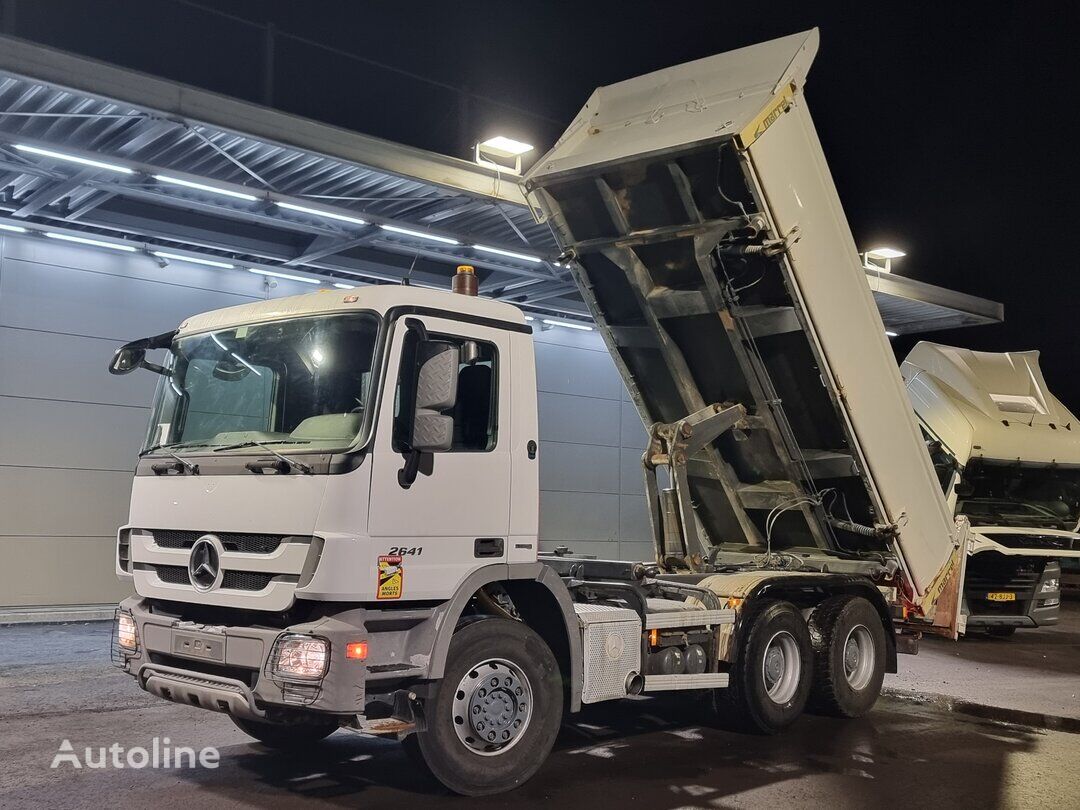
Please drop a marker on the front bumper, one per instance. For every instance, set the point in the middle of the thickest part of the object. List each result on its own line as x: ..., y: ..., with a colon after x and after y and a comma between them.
x: 230, y: 669
x: 1034, y: 617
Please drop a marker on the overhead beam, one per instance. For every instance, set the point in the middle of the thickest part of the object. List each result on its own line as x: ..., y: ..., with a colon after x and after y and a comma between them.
x: 52, y: 193
x: 171, y: 100
x: 323, y: 246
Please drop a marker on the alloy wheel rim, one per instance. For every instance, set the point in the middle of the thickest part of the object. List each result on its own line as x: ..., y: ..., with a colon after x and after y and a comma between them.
x: 781, y: 667
x: 492, y: 707
x: 859, y: 655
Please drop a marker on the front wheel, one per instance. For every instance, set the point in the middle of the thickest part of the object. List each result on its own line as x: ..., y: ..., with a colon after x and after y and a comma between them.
x: 493, y: 718
x: 849, y: 656
x: 770, y: 680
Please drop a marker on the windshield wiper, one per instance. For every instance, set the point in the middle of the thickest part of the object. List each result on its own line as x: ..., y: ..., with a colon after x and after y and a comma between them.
x: 168, y: 447
x: 191, y: 467
x: 265, y: 445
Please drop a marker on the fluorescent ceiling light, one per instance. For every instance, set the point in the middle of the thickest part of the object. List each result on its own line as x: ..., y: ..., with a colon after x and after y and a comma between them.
x: 500, y: 252
x: 82, y: 240
x: 97, y: 164
x: 12, y: 228
x: 890, y: 334
x: 341, y: 286
x: 304, y: 279
x: 420, y: 234
x: 885, y: 253
x: 530, y: 318
x: 506, y: 147
x: 315, y: 212
x: 208, y: 262
x: 176, y: 181
x: 568, y: 325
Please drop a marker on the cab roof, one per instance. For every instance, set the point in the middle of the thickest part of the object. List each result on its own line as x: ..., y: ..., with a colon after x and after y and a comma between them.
x: 377, y: 298
x: 998, y: 404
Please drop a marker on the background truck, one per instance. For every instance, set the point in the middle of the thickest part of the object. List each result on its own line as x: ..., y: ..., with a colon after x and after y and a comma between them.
x: 334, y: 520
x: 1007, y: 454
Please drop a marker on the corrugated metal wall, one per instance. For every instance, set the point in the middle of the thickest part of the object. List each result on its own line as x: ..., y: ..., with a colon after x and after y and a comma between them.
x: 69, y: 432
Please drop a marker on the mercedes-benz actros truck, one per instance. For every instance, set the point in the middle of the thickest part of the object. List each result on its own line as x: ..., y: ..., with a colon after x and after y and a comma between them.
x: 333, y: 521
x: 1007, y: 454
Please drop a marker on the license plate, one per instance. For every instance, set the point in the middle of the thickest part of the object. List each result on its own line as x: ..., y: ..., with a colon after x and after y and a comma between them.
x: 197, y: 645
x: 1000, y: 596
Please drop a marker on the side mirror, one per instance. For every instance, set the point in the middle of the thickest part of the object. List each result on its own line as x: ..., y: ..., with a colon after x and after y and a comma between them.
x: 132, y: 355
x: 437, y: 364
x: 126, y: 360
x: 963, y: 489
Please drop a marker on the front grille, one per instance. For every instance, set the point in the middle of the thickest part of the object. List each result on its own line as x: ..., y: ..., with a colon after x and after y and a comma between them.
x: 245, y: 580
x: 990, y: 572
x: 230, y: 541
x: 172, y: 574
x: 232, y: 580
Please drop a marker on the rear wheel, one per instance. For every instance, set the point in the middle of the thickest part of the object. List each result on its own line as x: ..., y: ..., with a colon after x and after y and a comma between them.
x: 286, y: 735
x: 849, y: 656
x: 493, y: 718
x: 770, y: 680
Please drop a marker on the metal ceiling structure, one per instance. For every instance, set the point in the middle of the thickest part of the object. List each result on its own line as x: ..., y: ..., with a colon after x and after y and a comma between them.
x: 158, y: 166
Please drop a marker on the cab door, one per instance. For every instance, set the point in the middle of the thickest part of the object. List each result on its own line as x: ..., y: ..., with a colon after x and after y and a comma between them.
x: 453, y: 518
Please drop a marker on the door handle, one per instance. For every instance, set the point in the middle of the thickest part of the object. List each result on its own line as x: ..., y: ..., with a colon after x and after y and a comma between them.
x: 488, y: 547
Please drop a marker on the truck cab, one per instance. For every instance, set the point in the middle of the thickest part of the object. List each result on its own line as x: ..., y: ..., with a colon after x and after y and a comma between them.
x: 1007, y: 454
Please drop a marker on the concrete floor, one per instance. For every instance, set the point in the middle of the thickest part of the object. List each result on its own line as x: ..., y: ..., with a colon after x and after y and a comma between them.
x: 55, y: 685
x: 1035, y: 671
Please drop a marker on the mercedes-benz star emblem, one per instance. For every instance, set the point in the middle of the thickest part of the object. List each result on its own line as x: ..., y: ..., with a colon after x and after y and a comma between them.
x: 204, y: 564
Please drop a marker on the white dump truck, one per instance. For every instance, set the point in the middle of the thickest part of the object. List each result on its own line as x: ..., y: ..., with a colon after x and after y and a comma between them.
x: 334, y: 520
x: 1007, y: 454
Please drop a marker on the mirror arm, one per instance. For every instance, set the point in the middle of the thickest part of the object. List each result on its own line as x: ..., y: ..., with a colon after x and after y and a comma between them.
x: 407, y: 474
x: 154, y: 367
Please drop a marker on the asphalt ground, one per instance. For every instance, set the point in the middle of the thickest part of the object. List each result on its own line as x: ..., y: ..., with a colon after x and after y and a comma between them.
x: 56, y: 684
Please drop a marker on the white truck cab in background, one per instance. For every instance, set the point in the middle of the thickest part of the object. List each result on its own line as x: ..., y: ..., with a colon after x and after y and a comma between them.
x: 1007, y: 453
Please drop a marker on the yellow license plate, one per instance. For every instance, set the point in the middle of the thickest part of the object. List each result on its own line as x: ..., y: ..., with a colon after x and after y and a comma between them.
x: 1000, y: 596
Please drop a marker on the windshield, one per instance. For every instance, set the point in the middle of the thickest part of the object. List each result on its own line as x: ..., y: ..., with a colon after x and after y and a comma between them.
x: 1001, y: 512
x: 300, y: 385
x: 1011, y: 495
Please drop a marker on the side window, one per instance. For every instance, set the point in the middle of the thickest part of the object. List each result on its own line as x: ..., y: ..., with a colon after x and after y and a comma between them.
x: 944, y: 463
x: 476, y: 417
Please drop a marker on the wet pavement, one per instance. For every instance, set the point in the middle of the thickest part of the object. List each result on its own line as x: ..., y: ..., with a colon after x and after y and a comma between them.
x: 655, y: 753
x: 1036, y: 671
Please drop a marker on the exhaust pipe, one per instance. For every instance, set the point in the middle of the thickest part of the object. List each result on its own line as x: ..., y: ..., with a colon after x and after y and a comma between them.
x: 465, y: 282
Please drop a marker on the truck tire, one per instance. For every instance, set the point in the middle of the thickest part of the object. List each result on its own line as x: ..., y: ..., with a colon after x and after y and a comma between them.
x: 770, y: 679
x: 286, y: 736
x: 493, y: 718
x: 849, y: 656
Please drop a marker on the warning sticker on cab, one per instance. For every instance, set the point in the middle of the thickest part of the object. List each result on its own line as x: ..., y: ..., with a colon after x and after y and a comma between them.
x: 391, y: 578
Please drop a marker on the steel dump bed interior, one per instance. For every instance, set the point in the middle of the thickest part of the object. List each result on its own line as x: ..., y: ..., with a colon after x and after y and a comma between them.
x: 710, y: 244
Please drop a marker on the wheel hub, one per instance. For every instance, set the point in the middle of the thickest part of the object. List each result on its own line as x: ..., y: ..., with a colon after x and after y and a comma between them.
x: 492, y: 706
x: 851, y: 655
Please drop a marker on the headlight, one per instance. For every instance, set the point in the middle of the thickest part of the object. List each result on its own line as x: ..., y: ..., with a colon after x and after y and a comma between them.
x: 126, y: 634
x: 305, y: 657
x: 1052, y: 584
